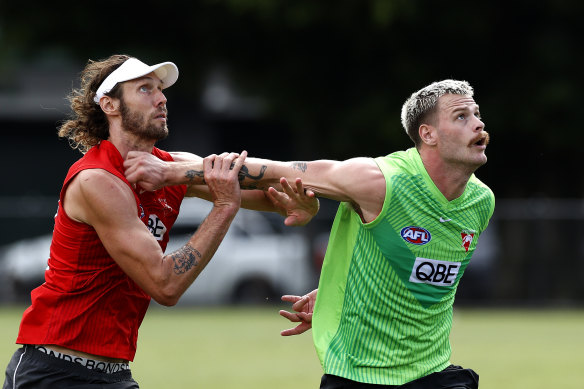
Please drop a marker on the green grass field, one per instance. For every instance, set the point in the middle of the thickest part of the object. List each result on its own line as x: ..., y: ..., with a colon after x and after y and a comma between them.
x: 241, y: 348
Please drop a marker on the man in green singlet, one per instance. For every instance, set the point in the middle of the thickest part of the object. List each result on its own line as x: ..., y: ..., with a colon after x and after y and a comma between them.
x: 405, y: 230
x: 397, y: 250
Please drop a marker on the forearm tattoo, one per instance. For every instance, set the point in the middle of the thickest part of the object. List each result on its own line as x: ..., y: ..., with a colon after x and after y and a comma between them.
x: 244, y: 173
x: 302, y: 166
x: 185, y: 259
x: 192, y: 174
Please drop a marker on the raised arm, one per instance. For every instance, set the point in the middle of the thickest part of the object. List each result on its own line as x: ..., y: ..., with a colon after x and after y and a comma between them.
x: 358, y: 180
x: 297, y: 205
x: 97, y: 198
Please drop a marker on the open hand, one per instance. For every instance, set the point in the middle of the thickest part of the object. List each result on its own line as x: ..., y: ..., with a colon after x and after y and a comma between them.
x: 303, y: 307
x: 299, y: 205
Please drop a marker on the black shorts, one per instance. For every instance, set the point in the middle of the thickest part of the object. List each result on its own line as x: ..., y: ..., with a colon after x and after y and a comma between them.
x: 453, y: 377
x: 31, y: 368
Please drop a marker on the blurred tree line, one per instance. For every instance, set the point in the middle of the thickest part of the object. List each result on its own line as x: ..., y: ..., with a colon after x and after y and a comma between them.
x: 326, y: 79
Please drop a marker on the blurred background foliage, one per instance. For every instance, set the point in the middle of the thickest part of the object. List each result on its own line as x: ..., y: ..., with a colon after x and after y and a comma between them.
x: 326, y: 79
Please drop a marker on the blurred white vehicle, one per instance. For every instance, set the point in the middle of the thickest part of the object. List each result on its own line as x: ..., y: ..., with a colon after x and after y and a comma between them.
x: 256, y: 262
x: 23, y: 266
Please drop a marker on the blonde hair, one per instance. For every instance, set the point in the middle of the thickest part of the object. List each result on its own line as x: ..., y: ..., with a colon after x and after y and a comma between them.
x: 88, y: 125
x: 422, y: 104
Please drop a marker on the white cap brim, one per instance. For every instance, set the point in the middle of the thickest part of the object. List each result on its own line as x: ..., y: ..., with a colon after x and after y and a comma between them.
x: 134, y: 68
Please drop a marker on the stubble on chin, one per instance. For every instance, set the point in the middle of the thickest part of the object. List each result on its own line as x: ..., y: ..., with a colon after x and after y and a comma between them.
x: 137, y: 124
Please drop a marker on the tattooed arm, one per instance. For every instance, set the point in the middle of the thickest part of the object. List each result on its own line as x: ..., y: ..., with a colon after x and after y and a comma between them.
x: 293, y: 202
x: 97, y: 198
x: 358, y: 180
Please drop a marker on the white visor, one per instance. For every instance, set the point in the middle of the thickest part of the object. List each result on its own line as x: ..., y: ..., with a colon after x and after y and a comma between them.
x: 134, y: 68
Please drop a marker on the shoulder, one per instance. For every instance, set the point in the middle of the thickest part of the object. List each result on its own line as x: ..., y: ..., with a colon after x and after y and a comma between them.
x: 405, y: 161
x: 360, y: 170
x: 93, y: 193
x: 400, y: 163
x: 365, y: 185
x: 101, y: 186
x: 98, y: 176
x: 362, y: 164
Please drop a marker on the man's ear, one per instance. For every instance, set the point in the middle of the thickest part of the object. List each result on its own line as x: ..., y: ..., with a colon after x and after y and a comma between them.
x: 428, y: 134
x: 109, y: 105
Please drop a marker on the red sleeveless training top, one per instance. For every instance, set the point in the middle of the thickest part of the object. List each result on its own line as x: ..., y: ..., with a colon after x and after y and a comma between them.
x: 87, y: 302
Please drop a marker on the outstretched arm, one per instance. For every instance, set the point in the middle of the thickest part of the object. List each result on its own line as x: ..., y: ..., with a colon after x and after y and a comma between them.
x: 296, y: 204
x: 357, y: 180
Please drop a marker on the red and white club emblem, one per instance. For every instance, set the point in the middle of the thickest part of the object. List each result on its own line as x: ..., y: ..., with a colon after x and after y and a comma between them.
x: 467, y: 238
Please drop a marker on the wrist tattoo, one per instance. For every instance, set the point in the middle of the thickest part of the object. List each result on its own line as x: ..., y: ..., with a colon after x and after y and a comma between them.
x: 302, y: 166
x: 185, y: 259
x: 192, y: 174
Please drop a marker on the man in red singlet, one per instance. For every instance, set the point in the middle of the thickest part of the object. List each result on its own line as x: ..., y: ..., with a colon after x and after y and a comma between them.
x: 107, y: 255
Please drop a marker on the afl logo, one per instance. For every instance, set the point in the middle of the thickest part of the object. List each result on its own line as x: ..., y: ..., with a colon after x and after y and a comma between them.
x: 416, y: 235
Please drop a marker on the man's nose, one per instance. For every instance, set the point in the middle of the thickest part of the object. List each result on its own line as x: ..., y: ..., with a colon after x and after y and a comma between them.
x: 160, y: 99
x: 480, y: 125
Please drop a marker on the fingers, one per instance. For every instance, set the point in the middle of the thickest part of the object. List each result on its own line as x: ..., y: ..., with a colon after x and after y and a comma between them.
x: 240, y: 159
x: 300, y: 188
x: 276, y: 197
x: 299, y: 305
x: 305, y: 317
x: 290, y: 316
x: 299, y: 316
x: 221, y: 174
x: 225, y: 161
x: 144, y: 169
x: 299, y: 329
x: 291, y: 298
x: 288, y: 193
x: 286, y: 187
x: 298, y: 302
x: 135, y: 154
x: 208, y: 163
x: 132, y: 163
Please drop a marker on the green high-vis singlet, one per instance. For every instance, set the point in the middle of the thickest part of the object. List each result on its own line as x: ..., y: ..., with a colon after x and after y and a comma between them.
x: 383, y: 313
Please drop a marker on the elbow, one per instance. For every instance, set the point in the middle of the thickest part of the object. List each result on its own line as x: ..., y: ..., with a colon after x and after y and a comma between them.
x: 165, y: 287
x: 167, y: 296
x: 166, y: 300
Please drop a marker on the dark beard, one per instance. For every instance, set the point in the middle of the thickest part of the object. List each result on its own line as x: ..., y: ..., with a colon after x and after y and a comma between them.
x: 136, y: 123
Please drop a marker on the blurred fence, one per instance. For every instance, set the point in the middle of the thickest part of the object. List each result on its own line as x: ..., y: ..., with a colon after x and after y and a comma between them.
x: 538, y: 251
x: 532, y: 253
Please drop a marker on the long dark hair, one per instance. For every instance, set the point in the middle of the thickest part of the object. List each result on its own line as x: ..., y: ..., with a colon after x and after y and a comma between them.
x: 88, y: 125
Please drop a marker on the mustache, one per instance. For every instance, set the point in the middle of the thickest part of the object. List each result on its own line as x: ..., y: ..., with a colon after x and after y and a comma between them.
x: 161, y: 111
x: 483, y: 139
